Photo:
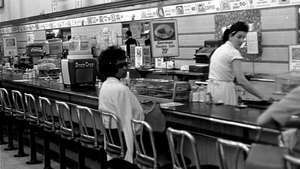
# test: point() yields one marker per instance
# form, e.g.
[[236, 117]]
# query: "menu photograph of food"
[[164, 31], [164, 38]]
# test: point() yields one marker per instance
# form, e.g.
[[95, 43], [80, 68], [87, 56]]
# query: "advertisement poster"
[[207, 6], [10, 46], [294, 58], [252, 43], [164, 39], [138, 56]]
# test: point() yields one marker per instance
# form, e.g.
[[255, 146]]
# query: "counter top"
[[217, 120]]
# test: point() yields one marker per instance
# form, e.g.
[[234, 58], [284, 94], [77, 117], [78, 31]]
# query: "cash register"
[[79, 71]]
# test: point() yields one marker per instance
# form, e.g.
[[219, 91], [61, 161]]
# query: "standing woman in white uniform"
[[226, 65]]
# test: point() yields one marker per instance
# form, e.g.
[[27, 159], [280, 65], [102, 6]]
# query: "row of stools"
[[56, 120], [78, 125], [51, 121]]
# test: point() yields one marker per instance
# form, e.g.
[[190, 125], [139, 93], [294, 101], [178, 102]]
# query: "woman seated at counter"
[[117, 98], [226, 66]]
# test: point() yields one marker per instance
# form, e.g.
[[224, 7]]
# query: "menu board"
[[10, 46], [164, 38], [294, 58]]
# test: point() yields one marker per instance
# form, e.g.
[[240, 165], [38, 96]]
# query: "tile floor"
[[8, 161]]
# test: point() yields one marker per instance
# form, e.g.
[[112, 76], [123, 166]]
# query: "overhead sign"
[[164, 38]]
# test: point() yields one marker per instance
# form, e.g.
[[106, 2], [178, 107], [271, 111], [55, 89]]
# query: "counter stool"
[[49, 129], [291, 162], [90, 138], [66, 130], [2, 121], [33, 118], [178, 158], [145, 157], [240, 147], [19, 112], [114, 141], [7, 108]]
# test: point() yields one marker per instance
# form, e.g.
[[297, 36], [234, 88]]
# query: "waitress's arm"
[[242, 81]]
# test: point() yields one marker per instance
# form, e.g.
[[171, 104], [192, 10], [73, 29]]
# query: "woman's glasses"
[[121, 65]]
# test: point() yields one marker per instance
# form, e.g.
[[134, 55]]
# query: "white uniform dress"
[[221, 76], [115, 97]]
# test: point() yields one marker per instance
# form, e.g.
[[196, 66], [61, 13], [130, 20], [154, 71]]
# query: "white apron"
[[222, 91]]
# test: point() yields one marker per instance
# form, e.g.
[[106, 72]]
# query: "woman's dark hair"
[[107, 62], [238, 26]]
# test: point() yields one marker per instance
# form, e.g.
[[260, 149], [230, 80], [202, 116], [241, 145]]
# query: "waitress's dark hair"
[[238, 26], [107, 62], [128, 33]]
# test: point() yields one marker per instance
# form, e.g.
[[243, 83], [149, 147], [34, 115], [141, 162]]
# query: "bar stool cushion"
[[90, 142]]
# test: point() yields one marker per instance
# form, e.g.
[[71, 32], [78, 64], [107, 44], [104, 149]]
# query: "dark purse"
[[263, 156], [154, 116]]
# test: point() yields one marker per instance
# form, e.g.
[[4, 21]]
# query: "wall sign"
[[294, 58], [164, 38], [10, 46]]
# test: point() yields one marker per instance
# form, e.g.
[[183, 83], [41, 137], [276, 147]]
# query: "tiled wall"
[[278, 27]]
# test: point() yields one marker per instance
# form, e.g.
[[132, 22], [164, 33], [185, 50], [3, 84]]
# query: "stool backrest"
[[32, 108], [111, 128], [241, 148], [291, 162], [86, 121], [66, 127], [144, 158], [183, 137], [5, 100], [47, 113], [18, 103]]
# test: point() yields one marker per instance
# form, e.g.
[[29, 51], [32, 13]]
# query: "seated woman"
[[116, 97]]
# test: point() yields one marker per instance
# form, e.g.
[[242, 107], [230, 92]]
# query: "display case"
[[287, 81], [159, 88]]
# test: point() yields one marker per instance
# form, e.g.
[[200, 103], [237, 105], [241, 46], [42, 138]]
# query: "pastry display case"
[[159, 88]]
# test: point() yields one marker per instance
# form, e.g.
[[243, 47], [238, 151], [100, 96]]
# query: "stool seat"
[[7, 109], [241, 149], [90, 137], [178, 159], [48, 127], [19, 114], [115, 145], [90, 143], [33, 120]]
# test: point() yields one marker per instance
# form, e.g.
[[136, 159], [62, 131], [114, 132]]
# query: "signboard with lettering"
[[10, 46], [164, 38], [294, 58]]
